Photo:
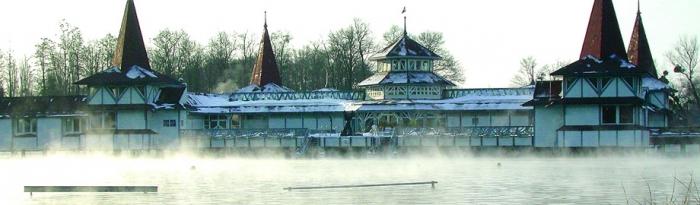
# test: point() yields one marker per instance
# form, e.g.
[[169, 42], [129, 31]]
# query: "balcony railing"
[[342, 95]]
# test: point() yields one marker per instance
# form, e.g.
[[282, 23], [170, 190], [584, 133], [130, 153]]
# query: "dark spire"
[[639, 52], [130, 47], [265, 70], [603, 38], [405, 32]]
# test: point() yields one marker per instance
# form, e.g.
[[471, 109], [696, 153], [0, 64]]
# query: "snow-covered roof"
[[212, 103], [652, 84], [405, 47], [465, 99], [134, 75], [412, 77], [589, 64], [267, 88], [470, 99], [326, 90], [139, 72]]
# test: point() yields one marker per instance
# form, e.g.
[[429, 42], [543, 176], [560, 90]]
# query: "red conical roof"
[[265, 70], [639, 52], [130, 47], [603, 37]]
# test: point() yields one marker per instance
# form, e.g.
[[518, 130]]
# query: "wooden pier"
[[144, 189]]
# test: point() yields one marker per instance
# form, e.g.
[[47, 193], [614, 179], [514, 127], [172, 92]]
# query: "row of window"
[[600, 83], [117, 92], [404, 65], [617, 114], [99, 120], [222, 122], [29, 125]]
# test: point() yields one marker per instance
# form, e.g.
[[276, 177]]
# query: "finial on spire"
[[404, 20], [265, 19], [404, 26], [638, 10]]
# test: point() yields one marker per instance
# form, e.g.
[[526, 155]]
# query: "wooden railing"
[[342, 95], [455, 93]]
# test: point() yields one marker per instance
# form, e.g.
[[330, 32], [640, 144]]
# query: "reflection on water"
[[186, 180]]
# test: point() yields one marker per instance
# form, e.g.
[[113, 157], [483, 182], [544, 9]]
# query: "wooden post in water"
[[432, 185]]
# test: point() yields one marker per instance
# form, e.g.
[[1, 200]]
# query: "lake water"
[[464, 179]]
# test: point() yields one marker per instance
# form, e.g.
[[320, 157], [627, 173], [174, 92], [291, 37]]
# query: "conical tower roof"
[[603, 38], [603, 51], [130, 49], [265, 70], [130, 64], [639, 52]]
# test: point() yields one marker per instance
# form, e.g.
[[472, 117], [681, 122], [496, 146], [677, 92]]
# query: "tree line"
[[220, 65]]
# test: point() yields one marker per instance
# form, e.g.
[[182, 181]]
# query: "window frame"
[[170, 123], [216, 122], [618, 115], [69, 125], [26, 125]]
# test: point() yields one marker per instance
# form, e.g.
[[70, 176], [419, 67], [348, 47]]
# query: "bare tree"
[[26, 78], [685, 58], [527, 74], [2, 77]]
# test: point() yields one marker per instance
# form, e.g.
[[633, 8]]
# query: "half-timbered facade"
[[604, 99]]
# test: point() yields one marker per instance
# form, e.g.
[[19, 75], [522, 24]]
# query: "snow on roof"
[[653, 84], [212, 103], [471, 99], [267, 88], [326, 90], [405, 47], [413, 77], [136, 71]]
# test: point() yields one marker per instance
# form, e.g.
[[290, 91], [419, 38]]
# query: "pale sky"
[[488, 37]]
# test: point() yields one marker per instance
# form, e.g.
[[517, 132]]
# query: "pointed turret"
[[130, 64], [603, 38], [639, 52], [265, 70], [130, 49], [603, 51]]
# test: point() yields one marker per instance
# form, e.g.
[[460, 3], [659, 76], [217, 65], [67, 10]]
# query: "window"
[[235, 121], [103, 120], [215, 122], [26, 126], [618, 114], [609, 114], [475, 121], [626, 114], [73, 125], [169, 123]]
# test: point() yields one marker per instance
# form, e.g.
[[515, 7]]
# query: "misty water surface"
[[187, 180]]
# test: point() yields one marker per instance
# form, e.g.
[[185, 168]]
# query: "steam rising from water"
[[529, 180]]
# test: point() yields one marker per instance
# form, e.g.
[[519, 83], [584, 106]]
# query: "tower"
[[405, 71]]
